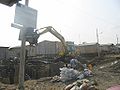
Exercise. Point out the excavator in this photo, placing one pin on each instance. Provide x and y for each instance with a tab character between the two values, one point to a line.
64	56
32	36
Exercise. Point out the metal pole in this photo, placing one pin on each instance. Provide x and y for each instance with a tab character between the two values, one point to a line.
97	35
26	2
22	58
22	63
117	39
98	48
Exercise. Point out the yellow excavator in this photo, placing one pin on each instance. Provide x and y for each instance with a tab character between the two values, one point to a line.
32	38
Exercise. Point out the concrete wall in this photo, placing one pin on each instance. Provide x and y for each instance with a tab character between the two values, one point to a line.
49	47
43	48
88	49
4	53
77	49
14	52
110	48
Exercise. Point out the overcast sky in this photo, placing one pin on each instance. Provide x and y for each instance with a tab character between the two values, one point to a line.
76	20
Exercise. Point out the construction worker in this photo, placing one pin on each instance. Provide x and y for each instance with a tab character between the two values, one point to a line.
74	63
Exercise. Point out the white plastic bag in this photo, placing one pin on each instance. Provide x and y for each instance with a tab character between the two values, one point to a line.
67	74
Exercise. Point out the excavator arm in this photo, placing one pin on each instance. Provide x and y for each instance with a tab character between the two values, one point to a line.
56	34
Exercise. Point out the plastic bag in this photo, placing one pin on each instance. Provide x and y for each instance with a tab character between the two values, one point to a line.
67	74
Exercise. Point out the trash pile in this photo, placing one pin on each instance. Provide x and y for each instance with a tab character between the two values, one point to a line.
77	78
68	74
82	85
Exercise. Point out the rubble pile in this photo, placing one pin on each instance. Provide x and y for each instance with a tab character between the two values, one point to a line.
115	67
82	85
7	87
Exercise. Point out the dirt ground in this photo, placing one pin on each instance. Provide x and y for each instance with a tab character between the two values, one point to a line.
106	73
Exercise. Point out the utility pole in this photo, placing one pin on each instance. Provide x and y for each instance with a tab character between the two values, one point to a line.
98	48
79	38
117	39
22	62
26	2
22	57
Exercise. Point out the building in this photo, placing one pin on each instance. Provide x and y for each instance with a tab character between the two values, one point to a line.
109	48
88	48
44	48
15	51
94	49
4	53
49	48
77	49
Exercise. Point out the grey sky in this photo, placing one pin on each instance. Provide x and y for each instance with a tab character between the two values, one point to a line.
76	20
